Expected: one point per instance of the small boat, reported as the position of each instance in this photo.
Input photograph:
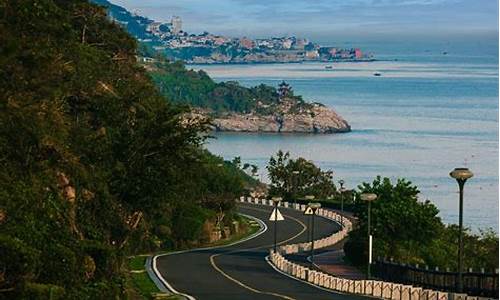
(445, 53)
(329, 67)
(377, 74)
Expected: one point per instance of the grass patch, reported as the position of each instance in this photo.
(144, 284)
(136, 263)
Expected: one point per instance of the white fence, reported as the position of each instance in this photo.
(373, 288)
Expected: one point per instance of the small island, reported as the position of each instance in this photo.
(288, 115)
(232, 107)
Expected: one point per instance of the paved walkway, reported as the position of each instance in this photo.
(332, 262)
(331, 259)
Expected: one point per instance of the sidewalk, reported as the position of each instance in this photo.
(332, 262)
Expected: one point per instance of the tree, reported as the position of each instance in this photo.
(410, 231)
(254, 170)
(237, 162)
(310, 180)
(401, 224)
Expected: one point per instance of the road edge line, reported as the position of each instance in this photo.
(157, 278)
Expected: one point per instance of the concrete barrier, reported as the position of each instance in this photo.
(396, 291)
(415, 293)
(368, 287)
(386, 290)
(358, 286)
(458, 296)
(442, 295)
(379, 289)
(405, 292)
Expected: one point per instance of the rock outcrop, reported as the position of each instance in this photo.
(318, 119)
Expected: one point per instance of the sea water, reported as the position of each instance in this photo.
(427, 113)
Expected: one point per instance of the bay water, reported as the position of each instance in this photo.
(434, 108)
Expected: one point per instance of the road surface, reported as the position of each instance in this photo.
(241, 271)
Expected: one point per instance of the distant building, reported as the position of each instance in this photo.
(312, 54)
(357, 53)
(219, 40)
(176, 25)
(287, 44)
(264, 43)
(154, 27)
(145, 59)
(247, 43)
(300, 44)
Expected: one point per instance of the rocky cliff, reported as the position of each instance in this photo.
(315, 119)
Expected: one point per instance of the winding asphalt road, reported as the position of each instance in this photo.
(241, 271)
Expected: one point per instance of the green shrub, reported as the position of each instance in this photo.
(43, 291)
(188, 222)
(18, 261)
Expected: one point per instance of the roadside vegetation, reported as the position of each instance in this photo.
(141, 285)
(410, 231)
(96, 164)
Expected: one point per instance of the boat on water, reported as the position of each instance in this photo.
(377, 74)
(328, 67)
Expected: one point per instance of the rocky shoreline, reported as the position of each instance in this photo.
(319, 120)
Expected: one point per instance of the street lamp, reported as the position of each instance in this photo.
(342, 190)
(314, 207)
(369, 197)
(461, 175)
(276, 201)
(295, 183)
(309, 198)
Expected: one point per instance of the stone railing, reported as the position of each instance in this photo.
(372, 288)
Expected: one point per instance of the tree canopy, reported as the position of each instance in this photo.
(197, 89)
(95, 162)
(296, 178)
(410, 231)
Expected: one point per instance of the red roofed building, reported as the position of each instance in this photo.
(358, 53)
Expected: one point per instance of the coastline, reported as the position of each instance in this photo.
(191, 63)
(317, 119)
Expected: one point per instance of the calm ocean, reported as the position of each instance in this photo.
(428, 113)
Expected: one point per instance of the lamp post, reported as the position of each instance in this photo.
(309, 198)
(276, 200)
(342, 190)
(461, 175)
(314, 207)
(295, 183)
(369, 197)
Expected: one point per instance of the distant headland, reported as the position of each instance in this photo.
(172, 41)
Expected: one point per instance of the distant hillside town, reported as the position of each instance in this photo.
(170, 39)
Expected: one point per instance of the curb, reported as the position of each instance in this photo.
(163, 284)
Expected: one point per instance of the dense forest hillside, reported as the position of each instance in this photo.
(197, 89)
(95, 163)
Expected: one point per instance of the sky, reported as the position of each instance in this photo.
(319, 19)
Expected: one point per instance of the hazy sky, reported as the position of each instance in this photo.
(322, 18)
